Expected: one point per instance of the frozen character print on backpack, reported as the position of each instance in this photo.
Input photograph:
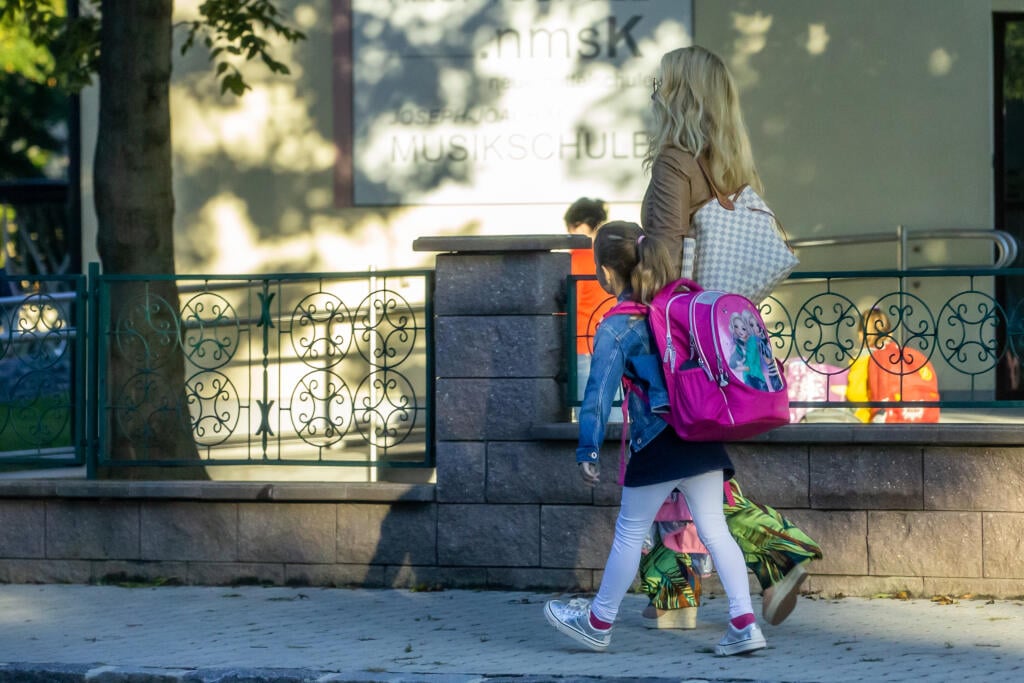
(752, 351)
(746, 344)
(764, 346)
(739, 332)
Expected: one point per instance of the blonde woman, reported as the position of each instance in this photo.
(698, 138)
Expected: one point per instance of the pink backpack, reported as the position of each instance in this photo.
(723, 381)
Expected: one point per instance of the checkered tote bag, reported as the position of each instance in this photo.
(740, 247)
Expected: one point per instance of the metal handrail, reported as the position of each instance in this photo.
(1005, 243)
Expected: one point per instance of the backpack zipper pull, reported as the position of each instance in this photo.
(670, 352)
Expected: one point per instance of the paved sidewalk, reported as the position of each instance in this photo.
(107, 633)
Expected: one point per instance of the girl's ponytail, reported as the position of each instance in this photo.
(638, 259)
(653, 268)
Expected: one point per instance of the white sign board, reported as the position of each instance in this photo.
(505, 101)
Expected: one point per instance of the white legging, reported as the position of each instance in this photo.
(639, 506)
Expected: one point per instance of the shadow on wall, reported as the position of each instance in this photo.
(862, 115)
(257, 170)
(255, 174)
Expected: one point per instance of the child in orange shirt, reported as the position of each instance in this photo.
(584, 217)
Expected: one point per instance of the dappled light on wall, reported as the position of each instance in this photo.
(269, 126)
(228, 241)
(940, 62)
(817, 39)
(753, 37)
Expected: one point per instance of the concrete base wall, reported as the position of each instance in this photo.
(923, 519)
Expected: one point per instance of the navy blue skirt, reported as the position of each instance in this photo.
(667, 458)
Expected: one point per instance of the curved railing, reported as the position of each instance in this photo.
(1004, 243)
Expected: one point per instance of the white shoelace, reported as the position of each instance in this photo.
(578, 606)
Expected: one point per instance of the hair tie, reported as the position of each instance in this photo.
(640, 239)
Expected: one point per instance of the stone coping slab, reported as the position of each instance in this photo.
(940, 434)
(377, 492)
(500, 243)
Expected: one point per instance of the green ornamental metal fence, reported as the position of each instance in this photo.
(42, 370)
(952, 318)
(321, 369)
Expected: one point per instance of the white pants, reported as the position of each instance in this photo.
(639, 506)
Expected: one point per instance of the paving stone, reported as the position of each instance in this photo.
(461, 471)
(576, 537)
(189, 531)
(269, 532)
(877, 477)
(85, 530)
(383, 534)
(23, 532)
(499, 346)
(488, 535)
(1003, 545)
(261, 634)
(925, 543)
(946, 470)
(533, 472)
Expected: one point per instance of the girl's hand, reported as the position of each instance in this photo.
(591, 473)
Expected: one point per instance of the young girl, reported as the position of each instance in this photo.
(634, 267)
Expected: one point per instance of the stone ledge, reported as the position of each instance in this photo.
(924, 435)
(379, 492)
(499, 243)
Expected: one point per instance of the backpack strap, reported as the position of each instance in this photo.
(626, 308)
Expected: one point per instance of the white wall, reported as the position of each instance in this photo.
(863, 115)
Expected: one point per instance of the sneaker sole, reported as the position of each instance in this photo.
(581, 638)
(742, 647)
(784, 594)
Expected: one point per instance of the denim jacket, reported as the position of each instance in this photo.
(622, 347)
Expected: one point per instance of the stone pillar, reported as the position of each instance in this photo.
(499, 306)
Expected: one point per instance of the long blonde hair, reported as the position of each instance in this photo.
(697, 109)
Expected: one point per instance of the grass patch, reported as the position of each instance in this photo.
(42, 422)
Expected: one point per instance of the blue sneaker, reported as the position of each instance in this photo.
(738, 641)
(573, 619)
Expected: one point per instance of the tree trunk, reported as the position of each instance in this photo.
(147, 413)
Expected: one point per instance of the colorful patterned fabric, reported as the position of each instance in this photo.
(771, 546)
(668, 578)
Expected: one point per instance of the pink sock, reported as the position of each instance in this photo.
(743, 620)
(603, 625)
